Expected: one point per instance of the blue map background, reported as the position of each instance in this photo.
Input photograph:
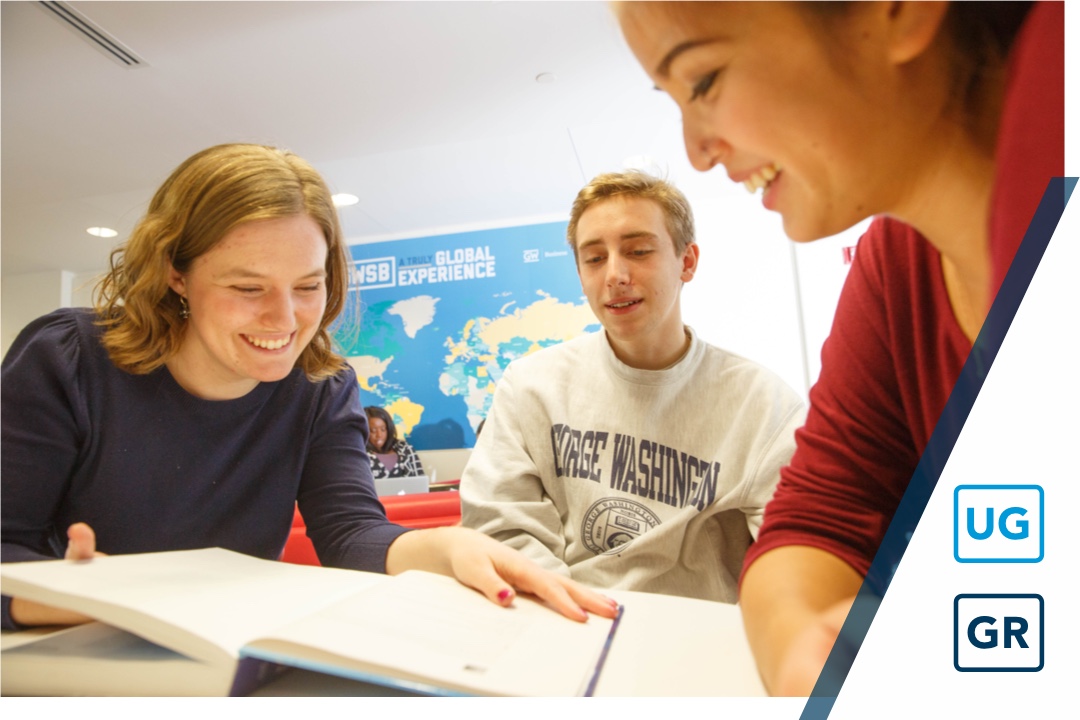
(432, 322)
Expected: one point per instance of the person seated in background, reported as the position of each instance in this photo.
(639, 457)
(201, 400)
(390, 455)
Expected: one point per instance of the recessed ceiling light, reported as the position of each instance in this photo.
(344, 199)
(545, 78)
(101, 232)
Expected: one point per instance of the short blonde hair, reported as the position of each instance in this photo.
(211, 193)
(678, 216)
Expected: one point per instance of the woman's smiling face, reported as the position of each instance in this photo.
(256, 301)
(780, 101)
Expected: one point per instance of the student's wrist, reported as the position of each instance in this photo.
(27, 613)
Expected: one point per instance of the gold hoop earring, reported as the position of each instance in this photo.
(185, 311)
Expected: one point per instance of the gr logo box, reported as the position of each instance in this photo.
(998, 524)
(998, 633)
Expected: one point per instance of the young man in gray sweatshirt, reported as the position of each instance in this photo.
(640, 457)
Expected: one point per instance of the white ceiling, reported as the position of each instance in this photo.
(429, 111)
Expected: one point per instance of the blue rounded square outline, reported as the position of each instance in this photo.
(1007, 596)
(956, 523)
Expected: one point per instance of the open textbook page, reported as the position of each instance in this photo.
(431, 634)
(416, 630)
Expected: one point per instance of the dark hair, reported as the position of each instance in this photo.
(981, 35)
(374, 411)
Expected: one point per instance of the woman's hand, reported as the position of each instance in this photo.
(495, 570)
(81, 546)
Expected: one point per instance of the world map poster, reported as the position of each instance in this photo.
(432, 322)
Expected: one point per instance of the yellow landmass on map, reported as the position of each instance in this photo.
(406, 415)
(546, 319)
(461, 347)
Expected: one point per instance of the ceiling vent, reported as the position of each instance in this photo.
(91, 33)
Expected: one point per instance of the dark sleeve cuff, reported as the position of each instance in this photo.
(8, 623)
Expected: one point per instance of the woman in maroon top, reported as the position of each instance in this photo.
(947, 122)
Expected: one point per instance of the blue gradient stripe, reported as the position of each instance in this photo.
(938, 449)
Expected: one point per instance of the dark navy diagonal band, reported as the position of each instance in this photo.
(940, 446)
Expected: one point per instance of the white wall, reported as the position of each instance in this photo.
(82, 289)
(742, 297)
(24, 298)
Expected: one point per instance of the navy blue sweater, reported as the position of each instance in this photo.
(150, 467)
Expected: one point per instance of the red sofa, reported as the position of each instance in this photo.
(422, 510)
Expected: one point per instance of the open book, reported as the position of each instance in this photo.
(238, 616)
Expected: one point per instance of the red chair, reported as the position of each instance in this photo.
(422, 510)
(298, 548)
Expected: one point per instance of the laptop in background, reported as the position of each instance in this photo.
(402, 485)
